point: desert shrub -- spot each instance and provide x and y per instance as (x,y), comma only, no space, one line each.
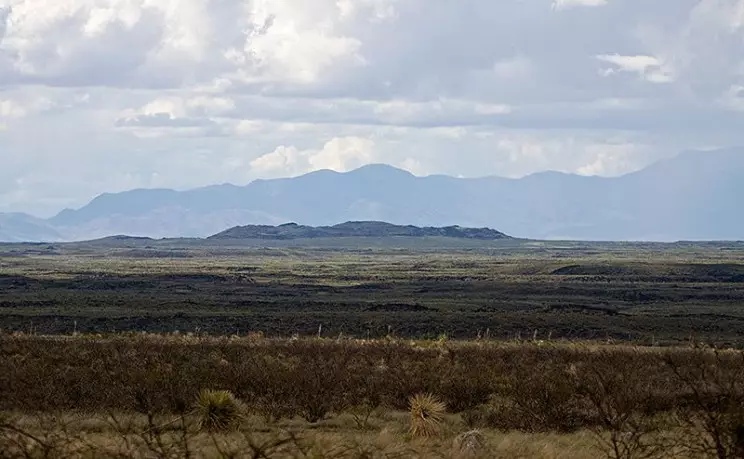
(366,397)
(711,411)
(467,378)
(321,380)
(525,387)
(427,414)
(218,410)
(539,398)
(477,417)
(269,389)
(406,372)
(621,398)
(43,436)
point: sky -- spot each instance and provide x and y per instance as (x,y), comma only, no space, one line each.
(109,95)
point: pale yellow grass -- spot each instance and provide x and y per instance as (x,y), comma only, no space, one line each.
(85,436)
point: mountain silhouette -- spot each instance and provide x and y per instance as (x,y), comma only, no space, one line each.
(17,227)
(694,196)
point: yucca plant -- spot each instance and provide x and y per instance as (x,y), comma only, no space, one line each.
(471,442)
(427,414)
(218,410)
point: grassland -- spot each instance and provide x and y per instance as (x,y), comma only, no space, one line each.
(646,294)
(535,350)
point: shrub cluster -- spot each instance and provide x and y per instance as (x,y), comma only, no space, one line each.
(628,396)
(277,378)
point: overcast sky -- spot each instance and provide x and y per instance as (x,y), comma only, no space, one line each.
(109,95)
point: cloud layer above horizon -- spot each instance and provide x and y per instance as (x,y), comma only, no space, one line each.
(109,95)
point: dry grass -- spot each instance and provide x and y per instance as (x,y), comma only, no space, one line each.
(73,436)
(345,398)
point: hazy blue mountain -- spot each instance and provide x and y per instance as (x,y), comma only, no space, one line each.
(16,227)
(696,195)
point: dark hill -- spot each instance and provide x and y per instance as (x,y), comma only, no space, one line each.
(355,229)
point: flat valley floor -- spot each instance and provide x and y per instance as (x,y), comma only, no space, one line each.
(641,293)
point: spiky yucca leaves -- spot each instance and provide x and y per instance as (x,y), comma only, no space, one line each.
(218,410)
(471,442)
(427,414)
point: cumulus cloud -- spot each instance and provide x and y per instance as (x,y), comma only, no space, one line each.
(338,154)
(283,43)
(11,109)
(591,155)
(182,107)
(161,119)
(646,67)
(734,98)
(182,93)
(22,105)
(4,14)
(436,112)
(563,4)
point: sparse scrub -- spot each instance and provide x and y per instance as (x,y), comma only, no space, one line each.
(115,395)
(639,293)
(538,395)
(630,402)
(711,408)
(625,407)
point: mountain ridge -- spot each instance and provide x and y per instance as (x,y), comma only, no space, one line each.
(694,196)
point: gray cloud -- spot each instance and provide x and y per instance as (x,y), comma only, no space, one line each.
(4,15)
(188,93)
(162,120)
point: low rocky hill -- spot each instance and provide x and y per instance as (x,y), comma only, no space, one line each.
(355,229)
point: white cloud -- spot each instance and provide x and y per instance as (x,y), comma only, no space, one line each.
(647,67)
(187,106)
(382,10)
(338,154)
(11,109)
(517,67)
(435,111)
(563,4)
(294,41)
(22,105)
(615,103)
(611,159)
(248,127)
(343,154)
(190,116)
(733,98)
(4,14)
(580,154)
(283,160)
(183,93)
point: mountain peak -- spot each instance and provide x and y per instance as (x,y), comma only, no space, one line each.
(693,196)
(379,169)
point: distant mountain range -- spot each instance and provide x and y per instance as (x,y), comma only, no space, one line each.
(694,196)
(16,227)
(354,229)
